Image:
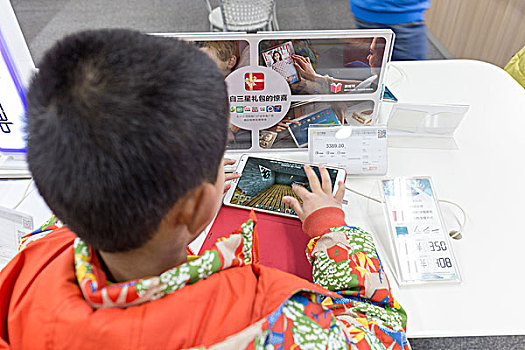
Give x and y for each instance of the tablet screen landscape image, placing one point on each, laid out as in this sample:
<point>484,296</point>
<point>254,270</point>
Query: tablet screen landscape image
<point>264,182</point>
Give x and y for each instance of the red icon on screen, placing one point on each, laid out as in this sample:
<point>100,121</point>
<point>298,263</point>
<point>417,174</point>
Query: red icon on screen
<point>335,88</point>
<point>253,81</point>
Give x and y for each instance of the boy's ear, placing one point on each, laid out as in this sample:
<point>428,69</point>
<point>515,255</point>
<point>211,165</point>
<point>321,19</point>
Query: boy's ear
<point>197,209</point>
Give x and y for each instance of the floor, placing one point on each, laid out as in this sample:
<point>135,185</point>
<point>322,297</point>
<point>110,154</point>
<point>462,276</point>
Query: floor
<point>44,21</point>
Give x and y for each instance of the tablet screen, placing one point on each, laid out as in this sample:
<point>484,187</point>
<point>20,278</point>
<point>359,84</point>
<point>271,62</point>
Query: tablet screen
<point>300,130</point>
<point>264,182</point>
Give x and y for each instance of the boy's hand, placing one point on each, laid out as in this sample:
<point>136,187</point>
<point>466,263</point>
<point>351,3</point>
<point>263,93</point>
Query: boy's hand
<point>320,197</point>
<point>229,176</point>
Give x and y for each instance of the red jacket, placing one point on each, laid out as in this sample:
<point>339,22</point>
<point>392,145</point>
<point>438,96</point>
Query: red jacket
<point>42,306</point>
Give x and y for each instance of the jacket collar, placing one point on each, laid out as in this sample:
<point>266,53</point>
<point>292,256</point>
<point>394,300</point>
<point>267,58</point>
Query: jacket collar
<point>236,250</point>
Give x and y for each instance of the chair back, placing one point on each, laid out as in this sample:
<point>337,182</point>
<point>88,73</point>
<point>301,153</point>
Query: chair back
<point>246,15</point>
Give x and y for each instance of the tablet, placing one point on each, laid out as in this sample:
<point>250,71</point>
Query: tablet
<point>265,181</point>
<point>299,131</point>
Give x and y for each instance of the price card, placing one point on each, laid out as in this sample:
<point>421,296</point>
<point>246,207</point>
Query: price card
<point>421,245</point>
<point>13,225</point>
<point>361,150</point>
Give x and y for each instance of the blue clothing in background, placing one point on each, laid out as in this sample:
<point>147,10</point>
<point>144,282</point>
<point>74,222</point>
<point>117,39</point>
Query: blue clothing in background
<point>404,17</point>
<point>390,11</point>
<point>411,39</point>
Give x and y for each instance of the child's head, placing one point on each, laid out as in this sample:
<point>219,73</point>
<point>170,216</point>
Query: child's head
<point>122,125</point>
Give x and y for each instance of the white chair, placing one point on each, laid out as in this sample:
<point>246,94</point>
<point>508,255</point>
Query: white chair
<point>242,15</point>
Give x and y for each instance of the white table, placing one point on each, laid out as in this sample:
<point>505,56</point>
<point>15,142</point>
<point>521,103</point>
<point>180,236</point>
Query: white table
<point>12,191</point>
<point>485,175</point>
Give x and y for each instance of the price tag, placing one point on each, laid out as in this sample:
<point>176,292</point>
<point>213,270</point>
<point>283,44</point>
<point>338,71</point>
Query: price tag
<point>421,244</point>
<point>361,150</point>
<point>13,225</point>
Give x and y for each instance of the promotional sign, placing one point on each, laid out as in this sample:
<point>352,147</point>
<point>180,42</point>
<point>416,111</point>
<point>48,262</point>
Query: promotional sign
<point>259,97</point>
<point>278,82</point>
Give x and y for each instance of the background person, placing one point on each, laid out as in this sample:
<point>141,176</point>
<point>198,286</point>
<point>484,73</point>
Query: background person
<point>405,18</point>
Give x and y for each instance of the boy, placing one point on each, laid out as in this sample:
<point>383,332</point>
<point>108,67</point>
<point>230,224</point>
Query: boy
<point>126,134</point>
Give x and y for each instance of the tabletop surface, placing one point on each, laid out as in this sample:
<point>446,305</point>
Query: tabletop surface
<point>484,175</point>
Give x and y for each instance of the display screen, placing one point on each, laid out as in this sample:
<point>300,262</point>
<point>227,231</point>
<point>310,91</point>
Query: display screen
<point>388,95</point>
<point>12,104</point>
<point>300,130</point>
<point>328,66</point>
<point>341,72</point>
<point>264,183</point>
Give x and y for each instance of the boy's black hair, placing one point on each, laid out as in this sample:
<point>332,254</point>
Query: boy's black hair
<point>120,126</point>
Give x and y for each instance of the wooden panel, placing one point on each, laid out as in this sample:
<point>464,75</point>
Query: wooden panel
<point>487,30</point>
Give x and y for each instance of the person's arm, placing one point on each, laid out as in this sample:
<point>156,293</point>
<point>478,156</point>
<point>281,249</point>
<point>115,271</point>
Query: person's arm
<point>283,124</point>
<point>307,72</point>
<point>344,260</point>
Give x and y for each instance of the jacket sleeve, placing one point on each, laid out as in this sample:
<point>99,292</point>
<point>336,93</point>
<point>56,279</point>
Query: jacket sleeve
<point>344,260</point>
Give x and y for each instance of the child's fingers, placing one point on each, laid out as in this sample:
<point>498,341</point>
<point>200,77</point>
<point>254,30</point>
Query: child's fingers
<point>294,204</point>
<point>300,191</point>
<point>231,176</point>
<point>312,179</point>
<point>340,192</point>
<point>228,161</point>
<point>326,181</point>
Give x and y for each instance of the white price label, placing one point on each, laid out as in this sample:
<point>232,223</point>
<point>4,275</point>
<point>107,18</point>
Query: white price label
<point>359,150</point>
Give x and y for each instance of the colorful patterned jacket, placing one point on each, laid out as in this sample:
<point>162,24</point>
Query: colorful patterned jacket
<point>54,295</point>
